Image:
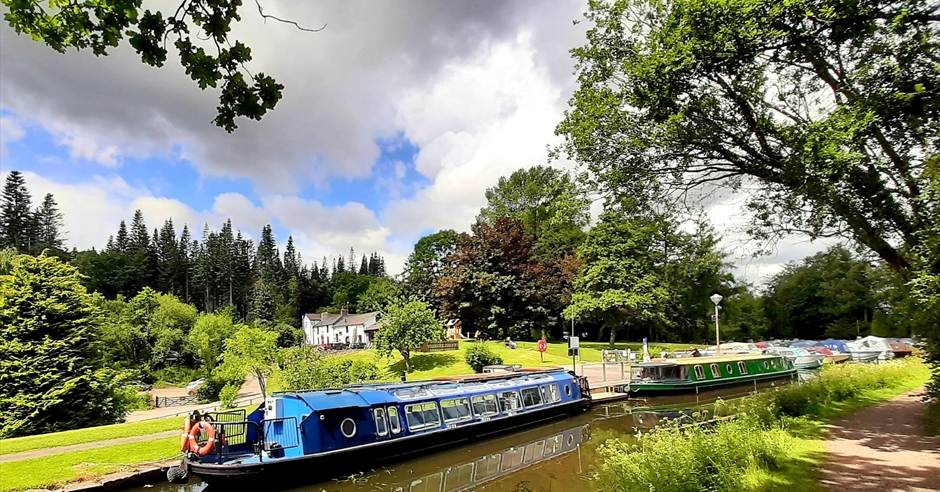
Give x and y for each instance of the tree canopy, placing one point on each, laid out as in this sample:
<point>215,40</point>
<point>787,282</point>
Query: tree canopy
<point>250,351</point>
<point>826,110</point>
<point>407,326</point>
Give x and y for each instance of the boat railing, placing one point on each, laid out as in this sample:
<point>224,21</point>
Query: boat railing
<point>584,385</point>
<point>236,436</point>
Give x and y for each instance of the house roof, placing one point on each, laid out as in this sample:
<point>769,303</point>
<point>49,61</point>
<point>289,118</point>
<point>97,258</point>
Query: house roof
<point>314,316</point>
<point>375,326</point>
<point>355,319</point>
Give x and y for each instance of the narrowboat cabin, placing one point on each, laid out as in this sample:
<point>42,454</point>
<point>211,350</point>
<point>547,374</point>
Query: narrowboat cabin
<point>321,434</point>
<point>688,375</point>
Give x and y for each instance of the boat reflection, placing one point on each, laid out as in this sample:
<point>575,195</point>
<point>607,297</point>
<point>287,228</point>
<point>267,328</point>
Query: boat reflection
<point>491,466</point>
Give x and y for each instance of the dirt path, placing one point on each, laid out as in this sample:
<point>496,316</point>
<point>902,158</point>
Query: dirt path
<point>39,453</point>
<point>883,448</point>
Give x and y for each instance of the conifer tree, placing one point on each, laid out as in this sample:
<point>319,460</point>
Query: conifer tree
<point>49,225</point>
<point>364,267</point>
<point>16,216</point>
<point>292,259</point>
<point>121,240</point>
<point>184,274</point>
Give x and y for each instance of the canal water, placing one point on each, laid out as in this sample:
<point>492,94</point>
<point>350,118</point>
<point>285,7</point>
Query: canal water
<point>558,457</point>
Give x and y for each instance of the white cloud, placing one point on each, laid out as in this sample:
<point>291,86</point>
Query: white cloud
<point>10,131</point>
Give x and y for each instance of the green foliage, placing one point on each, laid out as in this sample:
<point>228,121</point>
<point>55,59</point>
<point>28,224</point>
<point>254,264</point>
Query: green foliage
<point>17,227</point>
<point>380,293</point>
<point>47,380</point>
<point>228,395</point>
<point>407,326</point>
<point>208,338</point>
<point>176,375</point>
<point>478,356</point>
<point>215,383</point>
<point>287,336</point>
<point>101,26</point>
<point>347,288</point>
<point>250,351</point>
<point>304,368</point>
<point>426,264</point>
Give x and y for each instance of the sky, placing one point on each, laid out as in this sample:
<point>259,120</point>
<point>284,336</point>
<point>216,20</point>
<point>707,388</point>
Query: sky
<point>394,121</point>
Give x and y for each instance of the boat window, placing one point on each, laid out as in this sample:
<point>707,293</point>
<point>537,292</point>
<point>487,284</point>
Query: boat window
<point>766,365</point>
<point>730,369</point>
<point>509,401</point>
<point>484,405</point>
<point>457,410</point>
<point>393,421</point>
<point>381,426</point>
<point>459,477</point>
<point>716,372</point>
<point>534,451</point>
<point>411,394</point>
<point>487,466</point>
<point>531,397</point>
<point>567,390</point>
<point>550,393</point>
<point>422,416</point>
<point>742,368</point>
<point>512,458</point>
<point>348,428</point>
<point>699,373</point>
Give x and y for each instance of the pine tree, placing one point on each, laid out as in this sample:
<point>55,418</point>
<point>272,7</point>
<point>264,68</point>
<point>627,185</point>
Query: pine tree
<point>351,263</point>
<point>267,260</point>
<point>184,274</point>
<point>292,259</point>
<point>325,270</point>
<point>339,267</point>
<point>364,267</point>
<point>122,241</point>
<point>263,306</point>
<point>139,239</point>
<point>168,259</point>
<point>16,216</point>
<point>49,224</point>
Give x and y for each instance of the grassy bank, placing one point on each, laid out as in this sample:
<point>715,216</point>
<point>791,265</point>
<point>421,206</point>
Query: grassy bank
<point>91,434</point>
<point>60,469</point>
<point>775,444</point>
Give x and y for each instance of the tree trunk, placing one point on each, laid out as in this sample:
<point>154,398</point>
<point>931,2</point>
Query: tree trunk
<point>407,355</point>
<point>261,383</point>
<point>613,336</point>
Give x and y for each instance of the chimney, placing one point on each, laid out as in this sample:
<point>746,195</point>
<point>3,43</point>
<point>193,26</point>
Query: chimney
<point>342,310</point>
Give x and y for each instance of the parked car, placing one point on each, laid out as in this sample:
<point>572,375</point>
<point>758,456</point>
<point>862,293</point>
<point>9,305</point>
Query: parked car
<point>193,386</point>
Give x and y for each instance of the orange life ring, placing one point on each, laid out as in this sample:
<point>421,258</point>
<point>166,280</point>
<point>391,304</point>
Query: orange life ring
<point>210,442</point>
<point>184,436</point>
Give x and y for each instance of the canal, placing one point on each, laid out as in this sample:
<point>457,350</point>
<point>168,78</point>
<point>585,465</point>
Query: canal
<point>560,456</point>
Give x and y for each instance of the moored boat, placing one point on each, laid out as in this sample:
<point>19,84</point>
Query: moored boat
<point>688,375</point>
<point>870,349</point>
<point>900,349</point>
<point>836,358</point>
<point>320,434</point>
<point>800,358</point>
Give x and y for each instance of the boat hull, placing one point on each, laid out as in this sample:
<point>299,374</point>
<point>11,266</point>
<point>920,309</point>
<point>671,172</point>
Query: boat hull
<point>690,387</point>
<point>311,468</point>
<point>808,362</point>
<point>865,357</point>
<point>836,359</point>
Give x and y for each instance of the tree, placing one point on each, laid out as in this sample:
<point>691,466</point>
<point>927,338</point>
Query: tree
<point>263,307</point>
<point>250,351</point>
<point>16,216</point>
<point>208,337</point>
<point>620,283</point>
<point>425,266</point>
<point>49,220</point>
<point>100,27</point>
<point>47,380</point>
<point>924,319</point>
<point>544,199</point>
<point>408,325</point>
<point>305,369</point>
<point>380,293</point>
<point>826,110</point>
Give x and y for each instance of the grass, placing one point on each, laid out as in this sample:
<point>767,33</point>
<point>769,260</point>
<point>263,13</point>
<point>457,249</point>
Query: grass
<point>59,469</point>
<point>932,419</point>
<point>90,434</point>
<point>775,445</point>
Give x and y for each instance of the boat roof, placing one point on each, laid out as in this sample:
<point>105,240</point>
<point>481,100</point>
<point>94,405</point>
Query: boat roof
<point>367,395</point>
<point>717,359</point>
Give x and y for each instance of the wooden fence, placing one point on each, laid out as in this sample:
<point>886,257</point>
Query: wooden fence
<point>440,346</point>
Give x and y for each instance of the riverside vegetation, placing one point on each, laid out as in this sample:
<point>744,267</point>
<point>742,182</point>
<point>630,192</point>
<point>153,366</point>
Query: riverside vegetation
<point>773,443</point>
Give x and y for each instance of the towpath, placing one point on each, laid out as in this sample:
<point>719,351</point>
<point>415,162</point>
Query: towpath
<point>883,448</point>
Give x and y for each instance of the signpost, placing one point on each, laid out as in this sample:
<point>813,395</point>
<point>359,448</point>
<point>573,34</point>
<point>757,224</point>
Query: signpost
<point>646,350</point>
<point>574,350</point>
<point>543,346</point>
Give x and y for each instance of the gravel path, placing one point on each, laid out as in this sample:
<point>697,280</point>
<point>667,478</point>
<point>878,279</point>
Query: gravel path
<point>39,453</point>
<point>883,448</point>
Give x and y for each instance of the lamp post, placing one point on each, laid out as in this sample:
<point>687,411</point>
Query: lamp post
<point>716,298</point>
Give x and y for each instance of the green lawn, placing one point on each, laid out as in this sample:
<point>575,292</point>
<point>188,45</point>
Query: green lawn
<point>60,469</point>
<point>90,434</point>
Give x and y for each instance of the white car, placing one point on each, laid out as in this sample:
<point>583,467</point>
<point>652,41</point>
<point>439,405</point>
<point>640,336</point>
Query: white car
<point>193,386</point>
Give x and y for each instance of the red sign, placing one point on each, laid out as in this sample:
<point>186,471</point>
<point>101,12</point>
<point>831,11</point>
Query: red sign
<point>543,346</point>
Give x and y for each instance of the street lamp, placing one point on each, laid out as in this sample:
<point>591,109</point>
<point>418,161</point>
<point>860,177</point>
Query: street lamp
<point>716,298</point>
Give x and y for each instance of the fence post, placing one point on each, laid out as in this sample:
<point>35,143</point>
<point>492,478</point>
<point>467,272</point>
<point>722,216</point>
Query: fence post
<point>604,369</point>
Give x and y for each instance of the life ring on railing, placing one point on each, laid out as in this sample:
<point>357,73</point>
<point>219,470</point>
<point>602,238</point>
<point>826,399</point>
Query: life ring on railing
<point>206,448</point>
<point>184,436</point>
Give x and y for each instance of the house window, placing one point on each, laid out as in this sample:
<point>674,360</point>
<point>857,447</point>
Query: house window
<point>457,410</point>
<point>742,368</point>
<point>699,373</point>
<point>550,393</point>
<point>393,421</point>
<point>509,401</point>
<point>716,372</point>
<point>484,405</point>
<point>381,426</point>
<point>422,416</point>
<point>531,397</point>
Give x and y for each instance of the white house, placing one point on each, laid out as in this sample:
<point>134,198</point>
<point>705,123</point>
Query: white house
<point>325,328</point>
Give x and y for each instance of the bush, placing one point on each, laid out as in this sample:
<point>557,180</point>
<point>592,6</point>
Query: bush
<point>228,395</point>
<point>176,375</point>
<point>478,356</point>
<point>210,390</point>
<point>304,368</point>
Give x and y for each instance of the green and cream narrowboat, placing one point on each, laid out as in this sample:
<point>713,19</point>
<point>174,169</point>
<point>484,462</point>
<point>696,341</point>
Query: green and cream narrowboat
<point>686,375</point>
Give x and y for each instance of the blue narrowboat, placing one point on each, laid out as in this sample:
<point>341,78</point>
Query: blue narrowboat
<point>325,433</point>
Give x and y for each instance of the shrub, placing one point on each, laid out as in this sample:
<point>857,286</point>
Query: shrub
<point>304,368</point>
<point>176,375</point>
<point>210,390</point>
<point>479,356</point>
<point>228,395</point>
